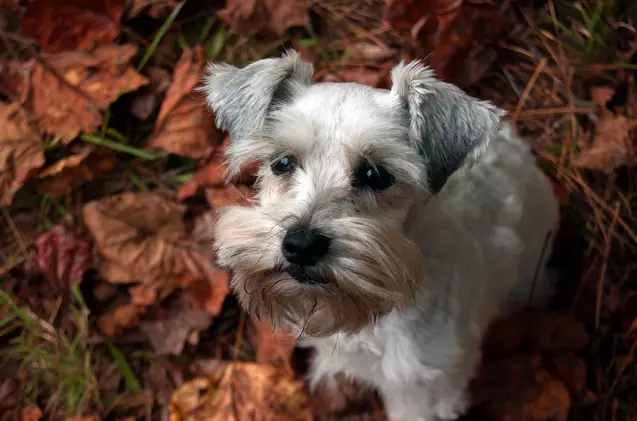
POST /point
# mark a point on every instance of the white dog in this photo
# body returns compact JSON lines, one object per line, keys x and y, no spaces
{"x":389,"y":228}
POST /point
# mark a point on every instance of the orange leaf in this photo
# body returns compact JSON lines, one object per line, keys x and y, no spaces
{"x":21,"y":150}
{"x":242,"y":391}
{"x":122,"y":317}
{"x":273,"y":346}
{"x":31,"y":413}
{"x":66,"y":25}
{"x":184,"y":125}
{"x":265,"y":16}
{"x":68,"y":91}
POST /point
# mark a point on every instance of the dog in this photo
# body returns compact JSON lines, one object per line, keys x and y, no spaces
{"x":389,"y":226}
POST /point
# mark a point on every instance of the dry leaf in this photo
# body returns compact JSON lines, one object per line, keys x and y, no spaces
{"x":168,"y":335}
{"x":142,"y":238}
{"x":571,"y":370}
{"x":184,"y":125}
{"x":211,"y":174}
{"x":123,"y":316}
{"x":31,"y":413}
{"x":69,"y":90}
{"x":272,"y":346}
{"x":148,"y":98}
{"x":21,"y":150}
{"x":65,"y":25}
{"x":63,"y":256}
{"x":359,"y":74}
{"x":369,"y":51}
{"x":67,"y":173}
{"x":602,"y":94}
{"x":153,"y":8}
{"x":254,"y":17}
{"x":218,"y":197}
{"x":142,"y":295}
{"x":612,"y":146}
{"x":210,"y":291}
{"x":242,"y":392}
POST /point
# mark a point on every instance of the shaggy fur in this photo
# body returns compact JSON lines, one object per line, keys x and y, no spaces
{"x":413,"y":273}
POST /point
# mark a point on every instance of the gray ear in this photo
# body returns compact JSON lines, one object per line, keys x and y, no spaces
{"x":449,"y":128}
{"x":242,"y":98}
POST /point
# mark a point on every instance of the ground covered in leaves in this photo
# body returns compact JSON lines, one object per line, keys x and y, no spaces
{"x":110,"y":307}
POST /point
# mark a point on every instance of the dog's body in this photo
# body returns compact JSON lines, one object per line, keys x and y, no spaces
{"x":373,"y":236}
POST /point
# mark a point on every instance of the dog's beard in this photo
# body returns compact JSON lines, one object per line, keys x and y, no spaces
{"x":370,"y":270}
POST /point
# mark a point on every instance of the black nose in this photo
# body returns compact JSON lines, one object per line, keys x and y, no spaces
{"x":304,"y":246}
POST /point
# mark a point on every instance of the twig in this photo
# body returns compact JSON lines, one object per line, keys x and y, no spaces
{"x":528,"y":88}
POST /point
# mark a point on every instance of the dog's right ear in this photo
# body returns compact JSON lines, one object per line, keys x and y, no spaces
{"x":242,"y":98}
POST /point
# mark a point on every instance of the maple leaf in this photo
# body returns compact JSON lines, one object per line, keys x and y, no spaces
{"x":59,"y":178}
{"x":142,"y":238}
{"x":184,"y":125}
{"x":241,"y":392}
{"x":68,"y":91}
{"x":612,"y":145}
{"x":273,"y":346}
{"x":153,"y":8}
{"x":63,"y":256}
{"x":254,"y":17}
{"x":21,"y":150}
{"x":66,"y":25}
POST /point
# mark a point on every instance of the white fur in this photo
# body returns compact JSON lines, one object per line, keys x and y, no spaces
{"x":415,"y":272}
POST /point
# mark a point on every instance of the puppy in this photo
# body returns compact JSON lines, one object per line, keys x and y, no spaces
{"x":389,"y":228}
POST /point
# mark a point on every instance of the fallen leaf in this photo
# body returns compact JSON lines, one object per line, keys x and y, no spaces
{"x":120,"y":318}
{"x":219,"y":197}
{"x":211,"y":174}
{"x":142,"y":295}
{"x":254,"y":17}
{"x":153,"y":8}
{"x":571,"y":370}
{"x":9,"y":393}
{"x":69,"y":90}
{"x":612,"y":146}
{"x":184,"y":125}
{"x":31,"y":413}
{"x":67,"y":25}
{"x":369,"y":51}
{"x":142,"y":238}
{"x":61,"y":177}
{"x":168,"y":334}
{"x":63,"y":256}
{"x":242,"y":392}
{"x":601,"y":95}
{"x":272,"y":346}
{"x":358,"y":74}
{"x":210,"y":291}
{"x":21,"y":150}
{"x":147,"y":99}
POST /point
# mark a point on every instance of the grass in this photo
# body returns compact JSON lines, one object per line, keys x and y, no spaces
{"x":51,"y":361}
{"x":160,"y":34}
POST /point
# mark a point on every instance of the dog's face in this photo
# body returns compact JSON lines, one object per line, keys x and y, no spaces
{"x":325,"y":248}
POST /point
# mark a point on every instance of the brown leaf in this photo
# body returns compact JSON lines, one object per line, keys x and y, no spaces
{"x":209,"y":292}
{"x":211,"y":174}
{"x":272,"y":346}
{"x":153,"y":8}
{"x":219,"y":197}
{"x":571,"y":370}
{"x":242,"y":392}
{"x":168,"y":334}
{"x":602,"y":94}
{"x":184,"y":125}
{"x":69,"y":90}
{"x":254,"y":17}
{"x":359,"y":74}
{"x":142,"y":237}
{"x":63,"y":256}
{"x":142,"y":295}
{"x":612,"y":146}
{"x":65,"y":25}
{"x":21,"y":150}
{"x":148,"y":98}
{"x":60,"y":178}
{"x":31,"y":413}
{"x":123,"y":316}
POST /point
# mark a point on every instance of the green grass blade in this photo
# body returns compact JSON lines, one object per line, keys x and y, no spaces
{"x":139,"y":153}
{"x":124,"y":368}
{"x":160,"y":34}
{"x":216,"y":46}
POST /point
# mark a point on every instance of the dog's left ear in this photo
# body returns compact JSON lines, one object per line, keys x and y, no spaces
{"x":242,"y":98}
{"x":448,"y":127}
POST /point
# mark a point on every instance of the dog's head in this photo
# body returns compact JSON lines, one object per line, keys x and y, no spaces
{"x":324,"y":249}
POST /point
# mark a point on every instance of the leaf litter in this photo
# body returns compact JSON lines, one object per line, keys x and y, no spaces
{"x":143,"y":233}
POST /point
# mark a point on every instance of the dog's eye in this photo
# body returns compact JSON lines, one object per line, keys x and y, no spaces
{"x":284,"y":165}
{"x":374,"y":177}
